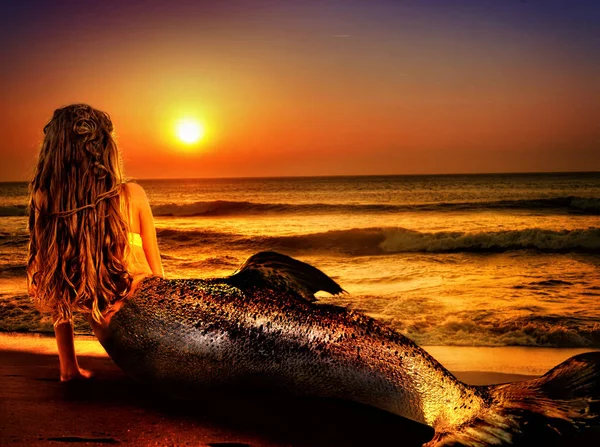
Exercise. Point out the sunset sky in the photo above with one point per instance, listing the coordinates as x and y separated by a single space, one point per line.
311 87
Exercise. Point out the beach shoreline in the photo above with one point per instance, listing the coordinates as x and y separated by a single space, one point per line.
38 410
512 362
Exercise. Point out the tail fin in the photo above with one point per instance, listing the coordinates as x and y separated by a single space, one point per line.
271 269
544 411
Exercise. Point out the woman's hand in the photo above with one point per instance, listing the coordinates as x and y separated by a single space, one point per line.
75 374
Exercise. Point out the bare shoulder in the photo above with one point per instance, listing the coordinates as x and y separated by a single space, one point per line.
136 194
135 190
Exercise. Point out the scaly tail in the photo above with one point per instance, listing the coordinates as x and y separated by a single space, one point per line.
542 411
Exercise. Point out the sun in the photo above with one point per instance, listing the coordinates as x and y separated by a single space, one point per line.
189 131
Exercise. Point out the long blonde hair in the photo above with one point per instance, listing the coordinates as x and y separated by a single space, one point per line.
78 232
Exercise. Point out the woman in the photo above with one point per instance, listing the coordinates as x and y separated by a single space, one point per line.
93 249
92 234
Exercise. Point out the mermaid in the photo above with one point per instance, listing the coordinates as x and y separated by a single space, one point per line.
93 249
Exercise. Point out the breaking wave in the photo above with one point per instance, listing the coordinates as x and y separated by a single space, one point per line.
428 323
570 204
532 330
374 241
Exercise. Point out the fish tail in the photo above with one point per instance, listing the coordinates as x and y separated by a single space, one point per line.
545 411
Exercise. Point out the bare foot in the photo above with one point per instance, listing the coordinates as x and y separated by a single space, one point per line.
76 374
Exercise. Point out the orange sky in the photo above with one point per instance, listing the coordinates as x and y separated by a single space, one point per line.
311 88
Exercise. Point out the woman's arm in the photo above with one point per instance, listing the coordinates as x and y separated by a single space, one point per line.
147 228
69 368
149 241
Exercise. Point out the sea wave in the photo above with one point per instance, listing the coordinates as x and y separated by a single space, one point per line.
400 240
370 241
215 208
431 323
13 210
11 239
569 204
12 270
532 330
379 241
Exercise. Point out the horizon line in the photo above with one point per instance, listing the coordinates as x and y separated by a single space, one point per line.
341 176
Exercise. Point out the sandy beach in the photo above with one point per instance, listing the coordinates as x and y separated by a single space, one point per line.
38 410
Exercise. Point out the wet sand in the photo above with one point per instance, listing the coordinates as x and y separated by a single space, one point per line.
38 410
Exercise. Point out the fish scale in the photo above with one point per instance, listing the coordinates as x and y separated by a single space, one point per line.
258 329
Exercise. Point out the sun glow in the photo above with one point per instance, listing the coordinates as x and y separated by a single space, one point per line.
189 131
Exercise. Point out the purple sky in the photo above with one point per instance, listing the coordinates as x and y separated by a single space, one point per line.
311 87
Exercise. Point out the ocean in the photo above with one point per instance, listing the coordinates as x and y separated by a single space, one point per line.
448 260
